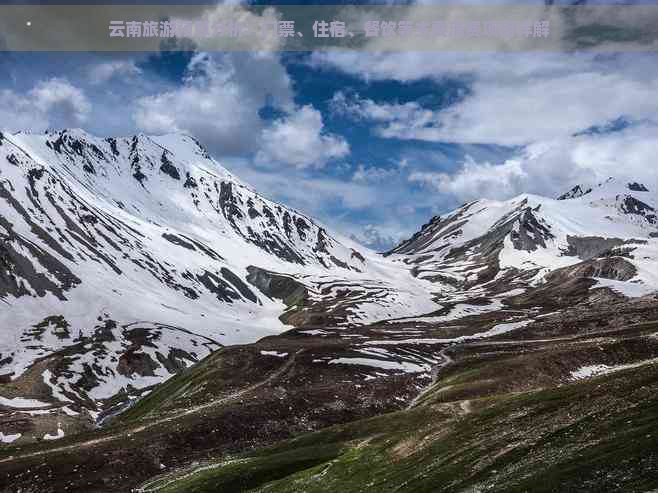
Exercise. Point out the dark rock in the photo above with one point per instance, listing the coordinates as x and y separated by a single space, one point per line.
355 254
190 182
34 175
277 286
228 202
615 268
321 242
113 145
637 187
176 240
531 233
631 205
132 362
587 247
239 285
218 286
168 167
302 227
12 159
574 193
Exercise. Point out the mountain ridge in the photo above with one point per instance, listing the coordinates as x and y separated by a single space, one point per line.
125 261
534 233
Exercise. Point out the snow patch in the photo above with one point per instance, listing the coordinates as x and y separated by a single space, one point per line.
600 369
403 366
9 438
22 403
628 289
56 436
494 331
274 353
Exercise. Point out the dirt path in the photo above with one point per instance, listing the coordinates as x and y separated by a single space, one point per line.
138 429
447 360
575 337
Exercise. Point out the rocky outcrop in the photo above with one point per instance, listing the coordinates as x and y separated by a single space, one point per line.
574 193
276 286
637 187
587 247
615 268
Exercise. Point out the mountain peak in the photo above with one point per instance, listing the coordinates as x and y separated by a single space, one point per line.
574 193
637 187
179 139
611 186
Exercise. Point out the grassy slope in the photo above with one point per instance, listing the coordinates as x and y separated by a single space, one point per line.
500 418
595 435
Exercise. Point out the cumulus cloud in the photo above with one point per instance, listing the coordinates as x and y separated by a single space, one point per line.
219 101
416 65
50 101
299 140
524 112
550 168
398 118
475 180
103 72
517 110
542 104
229 11
311 194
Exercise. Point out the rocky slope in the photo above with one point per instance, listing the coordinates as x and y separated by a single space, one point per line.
532 400
609 230
124 260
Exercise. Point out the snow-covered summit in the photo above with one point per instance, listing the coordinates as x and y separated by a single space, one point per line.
483 240
123 260
171 180
609 187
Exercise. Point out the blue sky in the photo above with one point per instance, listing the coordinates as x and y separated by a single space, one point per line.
372 144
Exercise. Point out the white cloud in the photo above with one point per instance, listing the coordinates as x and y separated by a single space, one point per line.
219 101
527 111
494 66
103 72
550 168
476 180
230 11
535 101
299 140
50 101
377 238
311 194
369 110
373 174
517 110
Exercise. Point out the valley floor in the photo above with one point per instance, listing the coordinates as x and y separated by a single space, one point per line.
523 398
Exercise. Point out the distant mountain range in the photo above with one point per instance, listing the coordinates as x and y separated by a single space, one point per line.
125 260
608 231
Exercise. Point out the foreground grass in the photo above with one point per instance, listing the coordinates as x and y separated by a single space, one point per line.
595 435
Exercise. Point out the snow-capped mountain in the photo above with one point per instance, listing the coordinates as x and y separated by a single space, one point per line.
126 260
123 260
608 231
